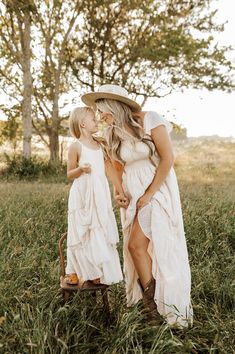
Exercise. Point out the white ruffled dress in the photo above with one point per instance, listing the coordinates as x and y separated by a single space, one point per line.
92 229
162 223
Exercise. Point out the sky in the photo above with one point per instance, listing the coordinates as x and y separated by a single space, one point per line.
199 111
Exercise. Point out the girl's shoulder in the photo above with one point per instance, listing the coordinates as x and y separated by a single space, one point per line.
75 147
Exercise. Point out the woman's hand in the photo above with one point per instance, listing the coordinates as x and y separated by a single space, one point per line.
122 200
143 200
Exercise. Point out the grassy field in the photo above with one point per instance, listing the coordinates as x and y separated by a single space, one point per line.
32 316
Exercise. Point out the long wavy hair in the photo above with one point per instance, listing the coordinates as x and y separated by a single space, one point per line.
117 132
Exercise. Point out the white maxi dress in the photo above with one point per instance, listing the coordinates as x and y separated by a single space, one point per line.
92 229
162 223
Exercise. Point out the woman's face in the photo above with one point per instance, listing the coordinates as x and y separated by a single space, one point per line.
105 117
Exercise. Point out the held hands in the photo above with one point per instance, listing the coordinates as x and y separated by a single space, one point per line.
143 200
122 200
86 168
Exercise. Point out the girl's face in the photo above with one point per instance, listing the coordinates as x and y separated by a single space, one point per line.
90 123
105 117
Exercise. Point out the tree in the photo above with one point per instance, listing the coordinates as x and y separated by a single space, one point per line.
150 47
55 22
15 33
51 24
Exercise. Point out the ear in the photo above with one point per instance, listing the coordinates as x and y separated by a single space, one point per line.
82 124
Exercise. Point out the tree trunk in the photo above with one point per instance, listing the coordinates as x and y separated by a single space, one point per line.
54 138
54 147
27 84
61 152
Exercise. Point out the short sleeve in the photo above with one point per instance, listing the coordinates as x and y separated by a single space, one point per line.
153 120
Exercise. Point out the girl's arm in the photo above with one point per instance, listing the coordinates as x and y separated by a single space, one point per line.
163 145
73 157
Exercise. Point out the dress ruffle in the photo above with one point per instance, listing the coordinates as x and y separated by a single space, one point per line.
92 231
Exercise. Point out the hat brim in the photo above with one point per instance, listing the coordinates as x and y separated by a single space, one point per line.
90 98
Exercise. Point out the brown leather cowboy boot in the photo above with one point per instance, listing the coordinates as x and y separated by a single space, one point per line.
150 305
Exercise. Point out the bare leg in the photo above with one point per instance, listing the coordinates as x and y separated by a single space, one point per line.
138 245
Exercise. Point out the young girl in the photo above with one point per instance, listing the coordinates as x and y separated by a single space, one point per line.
92 229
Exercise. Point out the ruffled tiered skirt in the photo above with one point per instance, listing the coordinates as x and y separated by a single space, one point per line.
92 231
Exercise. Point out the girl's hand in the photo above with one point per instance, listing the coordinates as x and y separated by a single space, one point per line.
122 200
144 200
86 168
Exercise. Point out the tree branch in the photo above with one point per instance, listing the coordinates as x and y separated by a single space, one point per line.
42 111
12 51
39 133
10 80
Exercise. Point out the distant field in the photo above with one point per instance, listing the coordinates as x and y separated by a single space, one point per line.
34 214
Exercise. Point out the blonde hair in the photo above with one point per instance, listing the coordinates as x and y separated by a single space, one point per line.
117 132
75 118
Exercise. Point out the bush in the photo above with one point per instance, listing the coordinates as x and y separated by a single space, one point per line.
21 168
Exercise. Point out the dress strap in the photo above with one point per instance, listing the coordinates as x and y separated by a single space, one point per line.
86 147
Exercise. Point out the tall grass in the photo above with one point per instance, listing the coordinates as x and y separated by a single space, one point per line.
33 318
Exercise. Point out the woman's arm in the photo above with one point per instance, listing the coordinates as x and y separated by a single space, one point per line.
163 145
114 177
73 157
119 171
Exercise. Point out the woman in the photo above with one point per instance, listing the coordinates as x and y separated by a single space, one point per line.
155 254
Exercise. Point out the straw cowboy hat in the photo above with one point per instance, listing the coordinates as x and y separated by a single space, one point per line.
113 92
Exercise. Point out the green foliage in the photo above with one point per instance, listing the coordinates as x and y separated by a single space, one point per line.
11 130
33 168
150 47
178 132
